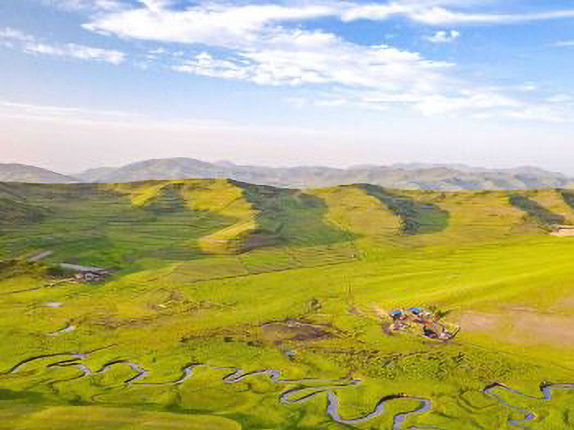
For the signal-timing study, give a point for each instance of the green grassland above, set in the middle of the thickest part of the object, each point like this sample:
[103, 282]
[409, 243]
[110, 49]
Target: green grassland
[208, 273]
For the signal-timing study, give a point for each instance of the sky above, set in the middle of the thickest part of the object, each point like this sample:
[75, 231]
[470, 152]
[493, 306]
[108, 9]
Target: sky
[91, 83]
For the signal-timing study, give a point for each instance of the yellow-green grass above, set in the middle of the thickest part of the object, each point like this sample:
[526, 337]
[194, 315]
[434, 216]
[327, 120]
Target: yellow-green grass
[99, 418]
[335, 256]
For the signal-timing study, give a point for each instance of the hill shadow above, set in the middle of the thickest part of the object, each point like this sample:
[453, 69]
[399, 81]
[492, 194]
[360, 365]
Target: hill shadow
[169, 199]
[568, 197]
[294, 217]
[416, 217]
[536, 211]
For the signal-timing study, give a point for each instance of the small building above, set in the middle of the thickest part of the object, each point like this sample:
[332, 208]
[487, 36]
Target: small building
[563, 230]
[91, 276]
[87, 273]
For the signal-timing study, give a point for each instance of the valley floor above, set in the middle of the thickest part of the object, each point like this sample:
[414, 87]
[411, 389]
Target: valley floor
[229, 306]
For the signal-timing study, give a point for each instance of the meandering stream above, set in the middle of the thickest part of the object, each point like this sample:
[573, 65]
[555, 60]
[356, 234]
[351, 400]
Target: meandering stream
[66, 329]
[529, 416]
[314, 388]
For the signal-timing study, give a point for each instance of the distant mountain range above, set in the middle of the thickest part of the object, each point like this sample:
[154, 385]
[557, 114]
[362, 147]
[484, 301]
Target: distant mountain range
[401, 176]
[24, 173]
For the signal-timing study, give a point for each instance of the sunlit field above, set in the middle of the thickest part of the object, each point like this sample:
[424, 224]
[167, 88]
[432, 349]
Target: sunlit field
[225, 305]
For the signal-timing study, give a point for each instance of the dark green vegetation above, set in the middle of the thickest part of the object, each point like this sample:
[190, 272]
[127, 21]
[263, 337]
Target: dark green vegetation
[416, 217]
[226, 274]
[534, 210]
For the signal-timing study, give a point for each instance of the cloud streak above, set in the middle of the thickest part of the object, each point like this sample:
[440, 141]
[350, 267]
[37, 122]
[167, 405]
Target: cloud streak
[564, 44]
[438, 15]
[27, 43]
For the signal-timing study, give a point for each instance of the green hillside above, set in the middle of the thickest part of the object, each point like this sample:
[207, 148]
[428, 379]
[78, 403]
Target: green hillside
[233, 306]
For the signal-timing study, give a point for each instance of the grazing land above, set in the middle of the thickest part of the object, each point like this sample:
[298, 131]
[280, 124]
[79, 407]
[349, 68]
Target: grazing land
[216, 304]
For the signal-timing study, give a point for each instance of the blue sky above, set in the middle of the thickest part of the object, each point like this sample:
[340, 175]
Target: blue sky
[85, 83]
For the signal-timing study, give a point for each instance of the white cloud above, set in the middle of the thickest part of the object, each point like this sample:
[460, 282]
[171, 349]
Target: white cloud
[527, 87]
[455, 102]
[267, 53]
[377, 11]
[211, 24]
[232, 24]
[29, 44]
[228, 22]
[437, 15]
[262, 46]
[158, 51]
[204, 64]
[565, 44]
[80, 52]
[79, 115]
[263, 43]
[479, 101]
[10, 109]
[560, 98]
[444, 36]
[302, 57]
[82, 5]
[13, 34]
[540, 113]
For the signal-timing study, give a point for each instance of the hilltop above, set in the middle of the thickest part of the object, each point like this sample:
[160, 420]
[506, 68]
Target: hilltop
[31, 174]
[223, 300]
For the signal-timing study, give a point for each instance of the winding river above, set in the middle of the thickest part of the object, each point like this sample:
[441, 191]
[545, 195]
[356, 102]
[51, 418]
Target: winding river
[66, 329]
[529, 416]
[315, 387]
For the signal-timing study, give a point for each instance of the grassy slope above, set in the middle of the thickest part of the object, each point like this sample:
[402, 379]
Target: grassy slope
[202, 264]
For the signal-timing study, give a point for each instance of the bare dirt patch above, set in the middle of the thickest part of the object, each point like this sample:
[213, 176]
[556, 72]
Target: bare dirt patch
[295, 330]
[474, 321]
[565, 305]
[526, 328]
[521, 309]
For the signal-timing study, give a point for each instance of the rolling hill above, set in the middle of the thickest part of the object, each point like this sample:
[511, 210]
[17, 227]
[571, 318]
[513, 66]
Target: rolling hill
[228, 305]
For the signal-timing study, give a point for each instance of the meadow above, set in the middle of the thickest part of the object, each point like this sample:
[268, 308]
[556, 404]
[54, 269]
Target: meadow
[235, 306]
